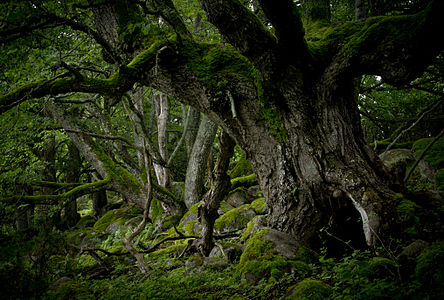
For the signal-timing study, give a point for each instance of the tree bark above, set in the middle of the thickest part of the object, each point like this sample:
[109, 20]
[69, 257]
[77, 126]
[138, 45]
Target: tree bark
[163, 113]
[194, 179]
[220, 188]
[360, 12]
[287, 99]
[193, 127]
[73, 175]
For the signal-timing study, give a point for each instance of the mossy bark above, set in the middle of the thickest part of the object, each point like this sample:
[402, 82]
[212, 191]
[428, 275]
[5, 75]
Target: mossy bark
[287, 98]
[208, 212]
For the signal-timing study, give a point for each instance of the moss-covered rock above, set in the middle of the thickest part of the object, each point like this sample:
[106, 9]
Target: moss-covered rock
[83, 237]
[310, 289]
[237, 197]
[408, 218]
[266, 257]
[189, 222]
[87, 221]
[377, 267]
[235, 219]
[256, 224]
[435, 155]
[439, 179]
[72, 290]
[116, 218]
[429, 270]
[245, 181]
[224, 208]
[260, 206]
[242, 168]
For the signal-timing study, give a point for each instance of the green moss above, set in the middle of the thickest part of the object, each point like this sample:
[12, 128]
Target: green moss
[87, 221]
[435, 155]
[233, 217]
[120, 215]
[245, 181]
[248, 230]
[169, 251]
[189, 228]
[193, 210]
[156, 210]
[306, 255]
[225, 207]
[429, 269]
[262, 261]
[72, 290]
[310, 289]
[75, 237]
[211, 63]
[355, 37]
[256, 247]
[116, 171]
[259, 205]
[407, 215]
[439, 179]
[376, 267]
[167, 193]
[242, 168]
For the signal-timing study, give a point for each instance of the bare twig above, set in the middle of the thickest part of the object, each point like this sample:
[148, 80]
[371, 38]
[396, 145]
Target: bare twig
[422, 155]
[433, 107]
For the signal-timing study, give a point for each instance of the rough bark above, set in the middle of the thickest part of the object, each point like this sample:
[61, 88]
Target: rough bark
[360, 12]
[73, 175]
[220, 188]
[288, 101]
[99, 200]
[193, 127]
[163, 113]
[194, 179]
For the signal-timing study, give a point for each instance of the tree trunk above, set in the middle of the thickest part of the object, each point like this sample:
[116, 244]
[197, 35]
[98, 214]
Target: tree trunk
[194, 180]
[220, 188]
[193, 127]
[48, 173]
[360, 12]
[24, 213]
[163, 114]
[73, 175]
[99, 201]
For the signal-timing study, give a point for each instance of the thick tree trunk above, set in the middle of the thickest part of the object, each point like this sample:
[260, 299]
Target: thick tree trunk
[194, 180]
[221, 186]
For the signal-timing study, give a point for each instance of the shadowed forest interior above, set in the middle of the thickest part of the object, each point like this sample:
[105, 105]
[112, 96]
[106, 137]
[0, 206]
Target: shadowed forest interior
[208, 149]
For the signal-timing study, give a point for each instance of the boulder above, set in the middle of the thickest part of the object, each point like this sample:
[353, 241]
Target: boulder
[397, 157]
[237, 198]
[256, 224]
[255, 191]
[310, 289]
[413, 250]
[189, 224]
[284, 244]
[426, 170]
[235, 219]
[260, 206]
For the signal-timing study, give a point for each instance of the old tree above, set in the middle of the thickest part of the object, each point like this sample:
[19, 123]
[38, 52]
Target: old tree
[280, 82]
